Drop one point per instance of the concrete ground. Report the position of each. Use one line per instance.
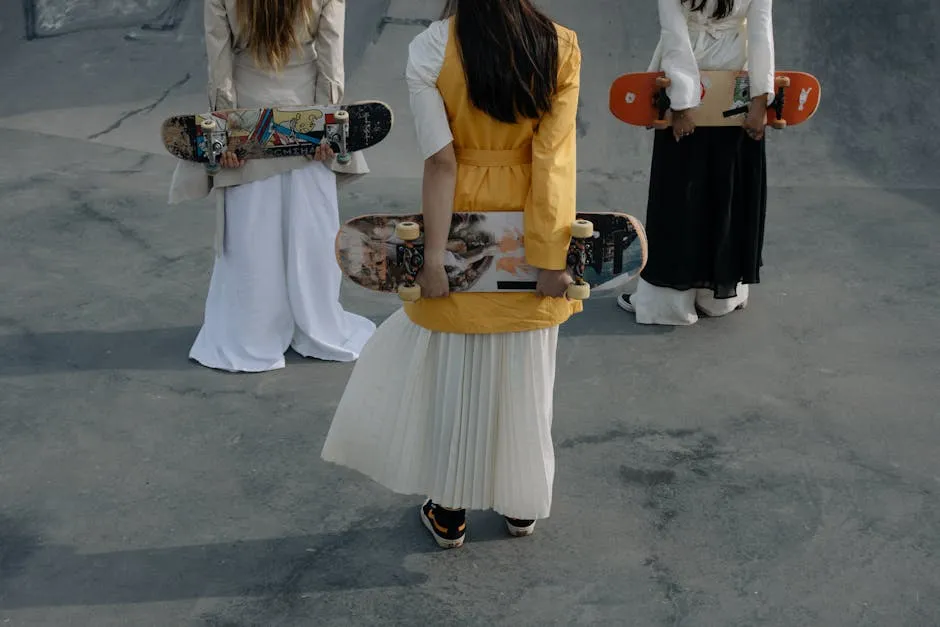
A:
(776, 468)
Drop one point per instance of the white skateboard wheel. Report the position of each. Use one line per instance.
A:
(409, 293)
(407, 231)
(581, 229)
(579, 291)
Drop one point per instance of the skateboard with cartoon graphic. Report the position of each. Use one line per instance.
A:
(486, 252)
(270, 133)
(641, 99)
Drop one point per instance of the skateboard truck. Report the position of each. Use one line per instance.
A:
(342, 119)
(781, 83)
(215, 144)
(579, 258)
(662, 103)
(411, 257)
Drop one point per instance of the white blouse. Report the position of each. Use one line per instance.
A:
(425, 60)
(693, 41)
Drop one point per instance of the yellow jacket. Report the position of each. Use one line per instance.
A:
(529, 166)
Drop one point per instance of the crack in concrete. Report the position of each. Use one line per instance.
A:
(670, 587)
(632, 434)
(146, 109)
(85, 209)
(136, 168)
(400, 21)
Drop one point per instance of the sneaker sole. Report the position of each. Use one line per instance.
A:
(520, 532)
(444, 543)
(625, 306)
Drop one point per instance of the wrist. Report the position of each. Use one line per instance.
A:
(434, 253)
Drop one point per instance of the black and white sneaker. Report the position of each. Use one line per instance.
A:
(623, 301)
(520, 528)
(447, 526)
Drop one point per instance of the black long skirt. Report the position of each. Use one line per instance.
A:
(706, 210)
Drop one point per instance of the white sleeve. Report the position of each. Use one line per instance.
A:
(678, 59)
(760, 48)
(425, 59)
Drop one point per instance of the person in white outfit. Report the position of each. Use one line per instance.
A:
(708, 186)
(452, 398)
(275, 284)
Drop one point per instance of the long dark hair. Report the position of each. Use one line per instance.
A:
(510, 56)
(722, 10)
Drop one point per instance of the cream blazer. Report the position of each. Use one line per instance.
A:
(693, 41)
(314, 75)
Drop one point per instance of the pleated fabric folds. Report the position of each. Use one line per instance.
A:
(462, 418)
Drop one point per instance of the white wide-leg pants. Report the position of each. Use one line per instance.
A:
(666, 306)
(276, 283)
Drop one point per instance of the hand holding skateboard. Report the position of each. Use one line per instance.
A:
(485, 253)
(641, 99)
(228, 138)
(553, 283)
(433, 276)
(756, 119)
(230, 161)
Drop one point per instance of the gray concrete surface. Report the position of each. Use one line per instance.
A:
(775, 468)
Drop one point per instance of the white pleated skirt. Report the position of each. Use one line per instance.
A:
(463, 419)
(276, 283)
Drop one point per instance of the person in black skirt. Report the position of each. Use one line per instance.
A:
(708, 186)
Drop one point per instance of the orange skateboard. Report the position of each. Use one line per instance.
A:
(640, 99)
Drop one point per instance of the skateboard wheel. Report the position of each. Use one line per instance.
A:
(782, 81)
(212, 170)
(663, 81)
(579, 291)
(343, 159)
(779, 124)
(208, 124)
(341, 116)
(407, 231)
(581, 229)
(409, 293)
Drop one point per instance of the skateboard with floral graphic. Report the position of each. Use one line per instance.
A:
(270, 133)
(641, 99)
(486, 253)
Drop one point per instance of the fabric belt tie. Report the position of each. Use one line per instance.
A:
(494, 158)
(717, 29)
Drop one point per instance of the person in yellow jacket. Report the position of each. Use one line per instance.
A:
(452, 397)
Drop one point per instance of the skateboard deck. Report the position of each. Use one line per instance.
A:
(270, 133)
(640, 99)
(486, 252)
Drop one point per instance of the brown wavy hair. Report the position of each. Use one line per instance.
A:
(268, 28)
